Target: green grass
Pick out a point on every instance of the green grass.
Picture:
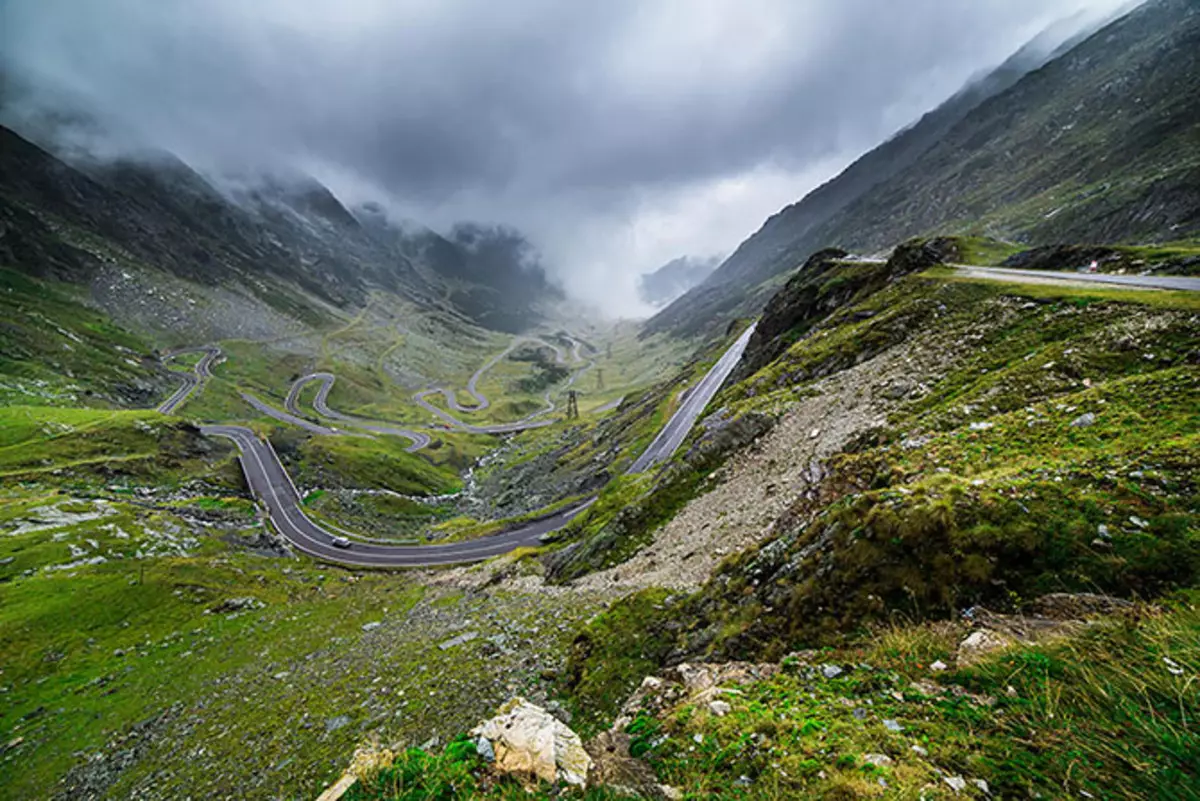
(365, 462)
(60, 445)
(123, 642)
(462, 527)
(56, 351)
(977, 488)
(613, 653)
(1098, 713)
(985, 251)
(90, 649)
(456, 773)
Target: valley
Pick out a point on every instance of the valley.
(302, 497)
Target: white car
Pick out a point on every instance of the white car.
(340, 542)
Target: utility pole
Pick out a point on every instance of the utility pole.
(600, 380)
(572, 406)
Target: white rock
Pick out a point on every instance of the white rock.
(831, 671)
(530, 742)
(938, 666)
(957, 783)
(879, 760)
(978, 644)
(719, 708)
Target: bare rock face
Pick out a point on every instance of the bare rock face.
(532, 744)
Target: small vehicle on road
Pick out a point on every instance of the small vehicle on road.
(340, 542)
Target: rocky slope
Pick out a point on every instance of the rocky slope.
(976, 499)
(1093, 146)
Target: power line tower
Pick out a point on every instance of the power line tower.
(572, 406)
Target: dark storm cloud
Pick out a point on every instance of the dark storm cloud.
(606, 129)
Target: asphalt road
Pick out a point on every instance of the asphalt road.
(287, 417)
(321, 405)
(270, 482)
(677, 428)
(193, 379)
(1178, 282)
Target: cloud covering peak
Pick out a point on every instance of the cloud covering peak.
(616, 135)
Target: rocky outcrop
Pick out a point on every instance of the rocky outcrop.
(529, 743)
(689, 682)
(1047, 618)
(830, 280)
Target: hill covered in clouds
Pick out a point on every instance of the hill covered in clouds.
(1094, 144)
(677, 276)
(287, 241)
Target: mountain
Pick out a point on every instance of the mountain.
(274, 237)
(1092, 141)
(677, 276)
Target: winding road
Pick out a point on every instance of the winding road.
(294, 415)
(321, 405)
(482, 402)
(192, 380)
(270, 482)
(287, 417)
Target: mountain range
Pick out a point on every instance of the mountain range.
(1095, 140)
(287, 241)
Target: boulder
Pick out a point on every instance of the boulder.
(531, 744)
(979, 644)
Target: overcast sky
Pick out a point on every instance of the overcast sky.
(617, 134)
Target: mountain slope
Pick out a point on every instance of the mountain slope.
(1098, 144)
(272, 237)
